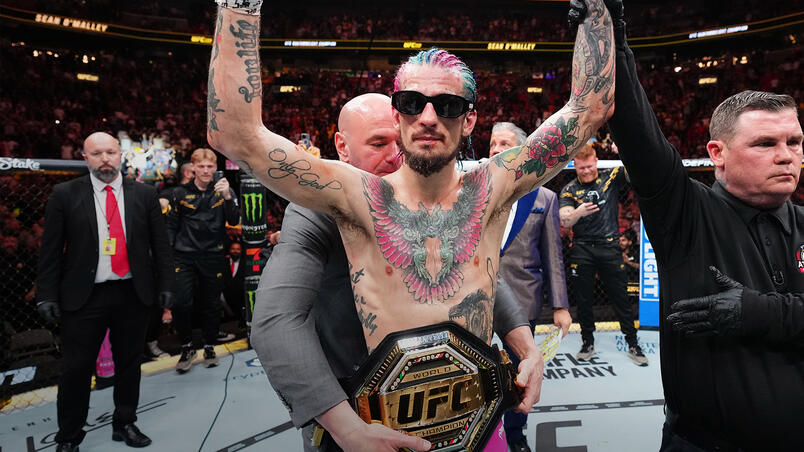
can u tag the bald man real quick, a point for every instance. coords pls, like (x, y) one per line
(308, 326)
(103, 278)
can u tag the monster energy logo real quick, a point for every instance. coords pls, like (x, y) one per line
(252, 201)
(250, 295)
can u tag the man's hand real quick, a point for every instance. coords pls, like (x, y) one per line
(563, 320)
(166, 299)
(377, 437)
(576, 15)
(586, 209)
(312, 150)
(354, 435)
(720, 313)
(529, 381)
(617, 13)
(222, 187)
(49, 310)
(273, 238)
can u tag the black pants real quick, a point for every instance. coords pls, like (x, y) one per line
(605, 259)
(208, 270)
(113, 305)
(678, 437)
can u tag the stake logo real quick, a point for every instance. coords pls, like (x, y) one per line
(252, 202)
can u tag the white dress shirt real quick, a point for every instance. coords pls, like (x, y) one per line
(104, 271)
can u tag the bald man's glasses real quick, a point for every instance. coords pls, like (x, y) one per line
(445, 105)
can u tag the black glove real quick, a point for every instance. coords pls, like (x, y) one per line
(166, 300)
(49, 310)
(576, 15)
(720, 313)
(617, 13)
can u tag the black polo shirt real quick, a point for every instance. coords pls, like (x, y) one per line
(747, 390)
(604, 224)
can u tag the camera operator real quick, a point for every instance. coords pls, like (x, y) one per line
(589, 205)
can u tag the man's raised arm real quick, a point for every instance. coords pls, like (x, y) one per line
(234, 119)
(591, 102)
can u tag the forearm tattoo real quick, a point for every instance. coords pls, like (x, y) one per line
(429, 246)
(546, 148)
(592, 89)
(298, 169)
(593, 62)
(213, 102)
(247, 37)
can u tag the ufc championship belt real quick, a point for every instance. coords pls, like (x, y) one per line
(438, 382)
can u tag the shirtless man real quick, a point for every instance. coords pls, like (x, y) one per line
(427, 236)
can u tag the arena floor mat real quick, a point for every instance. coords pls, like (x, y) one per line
(606, 404)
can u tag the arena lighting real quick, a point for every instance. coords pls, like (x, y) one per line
(85, 60)
(35, 53)
(718, 32)
(535, 89)
(58, 122)
(87, 77)
(677, 69)
(707, 80)
(515, 46)
(68, 22)
(201, 39)
(311, 43)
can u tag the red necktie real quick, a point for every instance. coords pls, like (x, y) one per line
(120, 257)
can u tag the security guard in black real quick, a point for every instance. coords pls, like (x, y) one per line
(197, 220)
(197, 231)
(605, 192)
(595, 244)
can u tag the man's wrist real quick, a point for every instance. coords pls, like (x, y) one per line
(340, 421)
(251, 7)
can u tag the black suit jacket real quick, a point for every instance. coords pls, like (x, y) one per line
(69, 255)
(233, 285)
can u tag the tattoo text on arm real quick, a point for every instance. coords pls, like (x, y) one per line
(247, 36)
(298, 169)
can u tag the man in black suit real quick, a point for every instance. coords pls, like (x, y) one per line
(233, 284)
(104, 258)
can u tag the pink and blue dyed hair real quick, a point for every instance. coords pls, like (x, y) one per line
(439, 58)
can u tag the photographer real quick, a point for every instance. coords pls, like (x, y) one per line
(589, 205)
(197, 232)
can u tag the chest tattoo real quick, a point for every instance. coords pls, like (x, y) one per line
(429, 246)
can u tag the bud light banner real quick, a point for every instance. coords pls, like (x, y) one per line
(648, 281)
(252, 198)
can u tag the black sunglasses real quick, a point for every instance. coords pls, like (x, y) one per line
(445, 105)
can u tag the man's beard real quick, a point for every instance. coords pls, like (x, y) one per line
(429, 164)
(105, 175)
